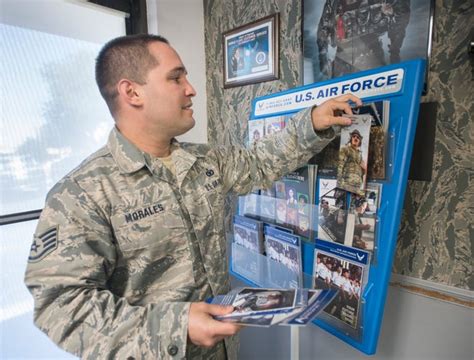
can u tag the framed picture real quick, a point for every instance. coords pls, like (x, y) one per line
(346, 36)
(251, 52)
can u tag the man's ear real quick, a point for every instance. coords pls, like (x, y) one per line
(130, 92)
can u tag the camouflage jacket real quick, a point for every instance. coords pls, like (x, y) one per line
(350, 173)
(122, 246)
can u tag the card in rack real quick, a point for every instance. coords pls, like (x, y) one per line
(283, 251)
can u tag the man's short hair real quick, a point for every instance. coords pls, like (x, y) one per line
(125, 57)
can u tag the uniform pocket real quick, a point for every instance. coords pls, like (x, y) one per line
(150, 227)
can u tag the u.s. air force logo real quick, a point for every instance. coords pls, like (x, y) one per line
(44, 244)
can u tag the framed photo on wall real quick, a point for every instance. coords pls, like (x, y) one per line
(251, 52)
(346, 36)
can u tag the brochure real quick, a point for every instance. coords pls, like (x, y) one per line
(267, 306)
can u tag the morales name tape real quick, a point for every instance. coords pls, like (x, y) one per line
(384, 83)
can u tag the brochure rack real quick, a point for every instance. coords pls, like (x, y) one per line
(400, 84)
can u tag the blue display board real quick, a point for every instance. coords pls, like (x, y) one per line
(401, 84)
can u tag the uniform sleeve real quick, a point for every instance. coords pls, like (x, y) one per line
(342, 160)
(273, 156)
(71, 259)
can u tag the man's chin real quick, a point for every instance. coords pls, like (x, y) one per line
(190, 123)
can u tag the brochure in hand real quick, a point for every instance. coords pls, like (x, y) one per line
(266, 307)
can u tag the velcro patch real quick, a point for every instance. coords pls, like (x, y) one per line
(44, 244)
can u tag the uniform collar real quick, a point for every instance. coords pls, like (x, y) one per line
(128, 157)
(183, 161)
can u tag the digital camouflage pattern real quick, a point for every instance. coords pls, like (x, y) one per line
(136, 245)
(436, 240)
(350, 175)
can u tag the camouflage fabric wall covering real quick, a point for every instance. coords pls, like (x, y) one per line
(436, 236)
(229, 109)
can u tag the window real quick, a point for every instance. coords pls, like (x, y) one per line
(19, 338)
(52, 117)
(52, 113)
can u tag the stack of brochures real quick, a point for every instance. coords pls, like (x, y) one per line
(265, 307)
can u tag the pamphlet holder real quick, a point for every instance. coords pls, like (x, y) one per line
(400, 84)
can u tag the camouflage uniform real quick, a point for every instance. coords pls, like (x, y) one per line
(350, 175)
(122, 246)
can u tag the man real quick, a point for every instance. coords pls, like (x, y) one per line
(237, 62)
(323, 272)
(337, 280)
(332, 221)
(131, 242)
(351, 168)
(360, 204)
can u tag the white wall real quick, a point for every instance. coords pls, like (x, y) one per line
(182, 23)
(414, 328)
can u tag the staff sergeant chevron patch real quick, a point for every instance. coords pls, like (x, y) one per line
(44, 244)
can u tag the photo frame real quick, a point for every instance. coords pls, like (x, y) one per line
(347, 36)
(251, 52)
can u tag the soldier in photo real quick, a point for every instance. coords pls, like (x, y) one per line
(237, 61)
(263, 300)
(351, 168)
(333, 222)
(322, 279)
(133, 239)
(355, 28)
(361, 205)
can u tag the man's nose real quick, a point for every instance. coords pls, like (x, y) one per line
(190, 91)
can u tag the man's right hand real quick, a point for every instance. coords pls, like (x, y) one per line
(203, 330)
(324, 115)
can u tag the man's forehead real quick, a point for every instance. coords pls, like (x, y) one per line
(165, 55)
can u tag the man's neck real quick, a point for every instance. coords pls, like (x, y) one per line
(157, 146)
(154, 148)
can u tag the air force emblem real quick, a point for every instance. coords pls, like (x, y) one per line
(44, 244)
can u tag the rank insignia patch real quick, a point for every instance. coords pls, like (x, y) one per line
(44, 244)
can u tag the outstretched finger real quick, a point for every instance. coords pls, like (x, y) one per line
(338, 120)
(341, 105)
(350, 97)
